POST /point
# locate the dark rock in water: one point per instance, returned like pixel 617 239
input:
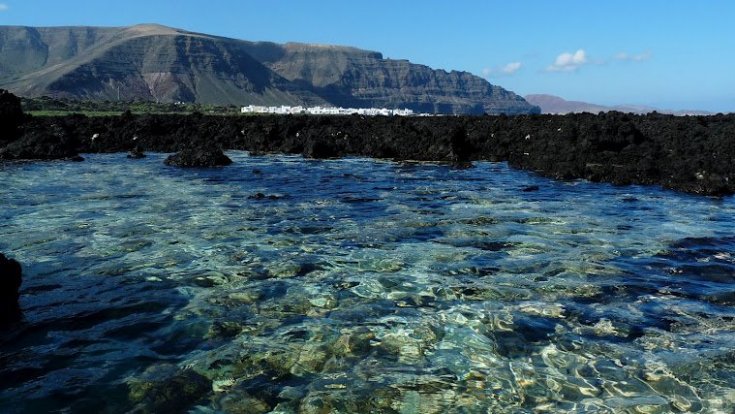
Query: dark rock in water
pixel 165 388
pixel 10 277
pixel 461 150
pixel 11 116
pixel 201 157
pixel 527 330
pixel 530 188
pixel 136 153
pixel 261 196
pixel 50 143
pixel 10 281
pixel 320 150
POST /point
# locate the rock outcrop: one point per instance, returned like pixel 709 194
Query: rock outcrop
pixel 136 153
pixel 693 154
pixel 10 282
pixel 199 157
pixel 11 117
pixel 22 139
pixel 47 142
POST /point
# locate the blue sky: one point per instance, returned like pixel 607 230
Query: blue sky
pixel 671 54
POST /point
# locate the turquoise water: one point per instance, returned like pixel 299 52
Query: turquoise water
pixel 286 285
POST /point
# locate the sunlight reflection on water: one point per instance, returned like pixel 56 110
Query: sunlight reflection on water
pixel 291 285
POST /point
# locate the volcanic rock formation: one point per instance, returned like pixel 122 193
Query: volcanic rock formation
pixel 199 157
pixel 692 154
pixel 10 281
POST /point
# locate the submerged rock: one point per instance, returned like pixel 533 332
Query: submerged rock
pixel 10 281
pixel 239 401
pixel 261 196
pixel 166 388
pixel 201 157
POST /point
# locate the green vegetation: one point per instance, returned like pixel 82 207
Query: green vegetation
pixel 46 106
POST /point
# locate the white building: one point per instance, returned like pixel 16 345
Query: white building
pixel 319 110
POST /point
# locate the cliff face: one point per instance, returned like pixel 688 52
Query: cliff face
pixel 150 62
pixel 358 78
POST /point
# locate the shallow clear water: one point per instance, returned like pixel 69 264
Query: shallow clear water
pixel 358 285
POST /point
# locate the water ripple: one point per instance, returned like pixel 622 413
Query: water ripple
pixel 289 285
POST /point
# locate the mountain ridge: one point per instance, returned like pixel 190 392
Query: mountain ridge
pixel 551 104
pixel 157 63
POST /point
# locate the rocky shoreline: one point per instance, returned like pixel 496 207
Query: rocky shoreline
pixel 689 154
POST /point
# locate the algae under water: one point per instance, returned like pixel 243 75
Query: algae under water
pixel 280 284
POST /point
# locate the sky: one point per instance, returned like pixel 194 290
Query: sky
pixel 671 54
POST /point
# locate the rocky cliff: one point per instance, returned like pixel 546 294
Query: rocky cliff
pixel 157 63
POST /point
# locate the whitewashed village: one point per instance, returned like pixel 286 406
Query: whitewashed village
pixel 320 110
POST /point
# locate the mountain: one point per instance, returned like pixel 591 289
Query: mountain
pixel 551 104
pixel 158 63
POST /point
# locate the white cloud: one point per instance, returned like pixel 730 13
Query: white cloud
pixel 505 70
pixel 569 62
pixel 511 68
pixel 626 57
pixel 3 7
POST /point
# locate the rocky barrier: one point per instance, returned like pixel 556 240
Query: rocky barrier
pixel 10 281
pixel 201 157
pixel 691 154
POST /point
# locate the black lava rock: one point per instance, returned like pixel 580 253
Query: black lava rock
pixel 320 150
pixel 10 281
pixel 201 157
pixel 10 277
pixel 692 153
pixel 136 153
pixel 49 143
pixel 11 117
pixel 261 196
